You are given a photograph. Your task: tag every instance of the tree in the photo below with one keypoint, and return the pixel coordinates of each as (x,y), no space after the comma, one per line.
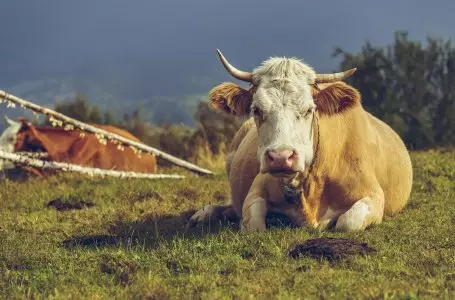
(80,110)
(409,86)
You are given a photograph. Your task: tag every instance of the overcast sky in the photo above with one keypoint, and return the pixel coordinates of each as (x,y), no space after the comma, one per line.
(147,46)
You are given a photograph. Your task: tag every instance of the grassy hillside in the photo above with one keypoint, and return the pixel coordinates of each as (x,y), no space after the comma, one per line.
(135,245)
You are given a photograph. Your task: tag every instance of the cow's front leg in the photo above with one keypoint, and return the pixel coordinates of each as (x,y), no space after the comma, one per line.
(363,213)
(255,206)
(253,214)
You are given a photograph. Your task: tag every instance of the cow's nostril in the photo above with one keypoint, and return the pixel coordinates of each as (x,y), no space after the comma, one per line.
(270,155)
(292,156)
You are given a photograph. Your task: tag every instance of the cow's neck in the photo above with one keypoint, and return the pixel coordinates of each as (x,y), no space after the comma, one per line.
(54,140)
(329,143)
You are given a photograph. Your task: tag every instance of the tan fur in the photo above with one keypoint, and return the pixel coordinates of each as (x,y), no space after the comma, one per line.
(354,168)
(231,98)
(238,137)
(335,98)
(359,159)
(358,156)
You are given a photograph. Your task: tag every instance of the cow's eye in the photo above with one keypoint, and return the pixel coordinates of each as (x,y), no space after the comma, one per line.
(256,112)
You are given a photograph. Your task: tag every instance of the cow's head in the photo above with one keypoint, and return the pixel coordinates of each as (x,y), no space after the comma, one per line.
(8,141)
(283,100)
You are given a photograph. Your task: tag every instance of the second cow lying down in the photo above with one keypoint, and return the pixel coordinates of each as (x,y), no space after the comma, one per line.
(309,151)
(72,147)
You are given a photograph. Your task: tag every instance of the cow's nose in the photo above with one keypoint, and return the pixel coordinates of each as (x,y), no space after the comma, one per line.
(282,158)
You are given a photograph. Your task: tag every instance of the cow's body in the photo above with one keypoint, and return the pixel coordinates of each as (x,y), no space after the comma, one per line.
(82,149)
(350,167)
(344,171)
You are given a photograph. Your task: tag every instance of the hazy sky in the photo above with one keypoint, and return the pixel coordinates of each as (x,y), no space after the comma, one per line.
(168,47)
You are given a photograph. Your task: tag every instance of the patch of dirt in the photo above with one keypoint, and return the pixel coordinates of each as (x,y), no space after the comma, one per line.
(142,196)
(90,240)
(331,248)
(124,271)
(187,193)
(62,204)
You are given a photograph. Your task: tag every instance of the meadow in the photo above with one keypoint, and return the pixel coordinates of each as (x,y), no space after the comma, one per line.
(130,241)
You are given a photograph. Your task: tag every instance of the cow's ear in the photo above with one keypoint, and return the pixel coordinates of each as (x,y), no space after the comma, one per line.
(231,98)
(336,98)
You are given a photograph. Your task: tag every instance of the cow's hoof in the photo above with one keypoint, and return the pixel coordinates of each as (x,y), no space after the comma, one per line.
(205,215)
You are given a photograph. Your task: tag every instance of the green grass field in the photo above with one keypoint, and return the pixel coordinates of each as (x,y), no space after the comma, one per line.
(139,248)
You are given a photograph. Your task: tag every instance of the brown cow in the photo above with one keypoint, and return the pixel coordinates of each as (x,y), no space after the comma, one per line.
(310,151)
(72,147)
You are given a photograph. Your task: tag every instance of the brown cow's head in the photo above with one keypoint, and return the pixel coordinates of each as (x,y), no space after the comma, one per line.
(283,100)
(19,136)
(8,140)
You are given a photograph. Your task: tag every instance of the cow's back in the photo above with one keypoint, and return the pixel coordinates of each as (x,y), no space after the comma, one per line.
(88,151)
(116,130)
(110,157)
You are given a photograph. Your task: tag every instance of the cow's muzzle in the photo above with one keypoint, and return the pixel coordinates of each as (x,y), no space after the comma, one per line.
(280,160)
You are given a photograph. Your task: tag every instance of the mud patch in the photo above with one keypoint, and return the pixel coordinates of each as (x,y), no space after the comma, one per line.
(123,270)
(70,203)
(187,193)
(90,240)
(331,248)
(142,196)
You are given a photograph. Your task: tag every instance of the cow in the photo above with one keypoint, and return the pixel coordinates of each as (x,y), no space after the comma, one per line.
(71,146)
(309,150)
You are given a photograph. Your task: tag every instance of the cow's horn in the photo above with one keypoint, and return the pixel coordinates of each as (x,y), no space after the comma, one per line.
(241,75)
(327,78)
(9,121)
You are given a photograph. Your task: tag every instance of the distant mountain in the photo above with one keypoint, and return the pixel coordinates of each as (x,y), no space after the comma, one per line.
(155,109)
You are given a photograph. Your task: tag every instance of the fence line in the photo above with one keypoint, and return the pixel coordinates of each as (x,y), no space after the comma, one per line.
(38,155)
(53,165)
(58,119)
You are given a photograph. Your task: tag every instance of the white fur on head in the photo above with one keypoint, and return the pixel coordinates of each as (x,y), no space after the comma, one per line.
(283,106)
(281,67)
(8,140)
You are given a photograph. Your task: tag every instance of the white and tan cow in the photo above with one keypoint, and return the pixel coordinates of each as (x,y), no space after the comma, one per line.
(309,151)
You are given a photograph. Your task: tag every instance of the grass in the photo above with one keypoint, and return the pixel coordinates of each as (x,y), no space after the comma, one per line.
(139,247)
